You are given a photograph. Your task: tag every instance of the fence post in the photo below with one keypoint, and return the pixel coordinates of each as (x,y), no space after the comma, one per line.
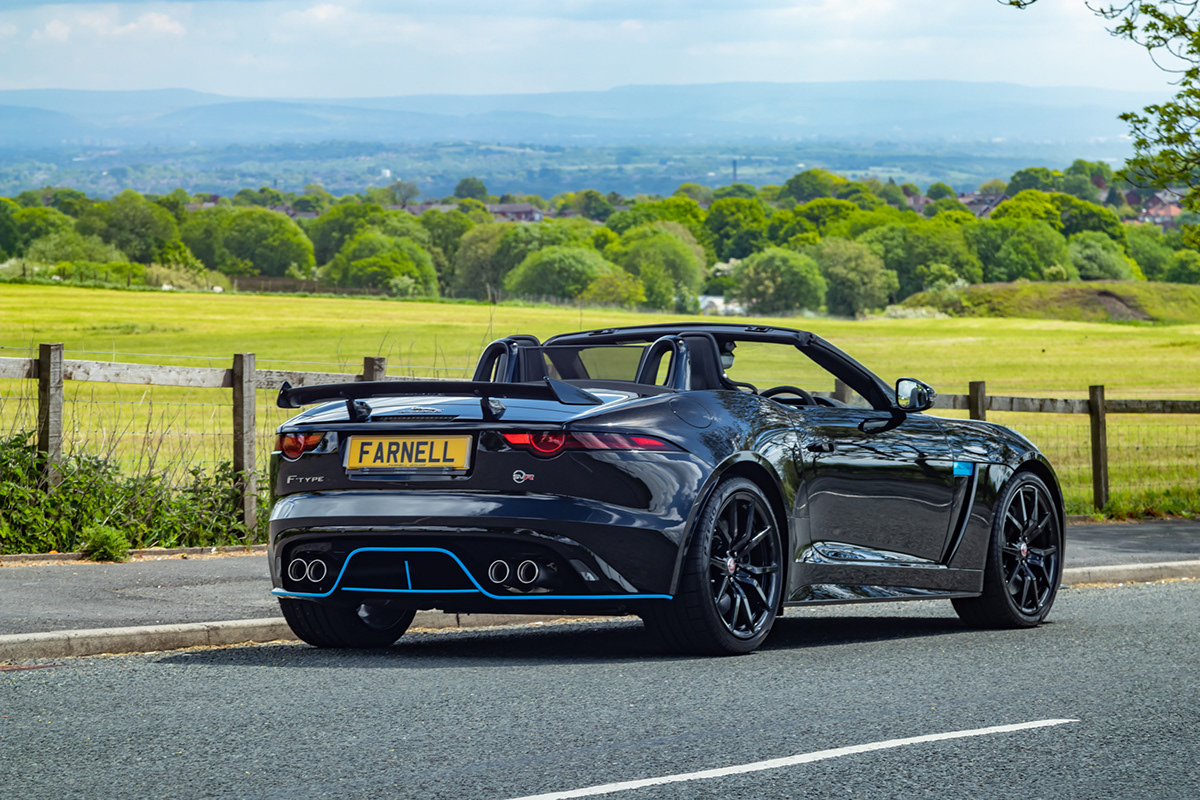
(1099,447)
(374,368)
(50,409)
(245,467)
(841,391)
(977,399)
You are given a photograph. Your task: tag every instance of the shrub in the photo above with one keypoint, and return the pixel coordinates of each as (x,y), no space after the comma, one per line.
(104,543)
(192,509)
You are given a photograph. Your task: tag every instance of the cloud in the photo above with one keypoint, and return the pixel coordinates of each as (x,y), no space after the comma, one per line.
(338,48)
(55,30)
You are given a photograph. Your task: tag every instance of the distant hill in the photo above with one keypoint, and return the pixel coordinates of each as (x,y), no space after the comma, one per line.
(900,111)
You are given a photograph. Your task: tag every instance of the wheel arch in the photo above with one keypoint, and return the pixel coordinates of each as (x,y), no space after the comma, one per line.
(1040,466)
(761,473)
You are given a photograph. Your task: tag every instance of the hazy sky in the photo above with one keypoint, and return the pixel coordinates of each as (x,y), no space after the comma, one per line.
(349,48)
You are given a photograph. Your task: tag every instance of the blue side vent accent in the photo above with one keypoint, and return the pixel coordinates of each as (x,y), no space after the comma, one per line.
(964,469)
(337,584)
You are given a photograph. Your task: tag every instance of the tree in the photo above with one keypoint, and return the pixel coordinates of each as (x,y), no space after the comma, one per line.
(1080,186)
(700,195)
(738,227)
(67,245)
(375,260)
(1029,250)
(135,225)
(562,271)
(473,188)
(939,190)
(945,204)
(1037,178)
(893,195)
(993,187)
(404,192)
(778,280)
(683,210)
(809,185)
(268,240)
(1030,204)
(1148,247)
(475,270)
(824,211)
(857,280)
(743,190)
(616,288)
(590,204)
(446,231)
(1185,267)
(651,244)
(34,223)
(1165,141)
(330,231)
(9,235)
(1096,257)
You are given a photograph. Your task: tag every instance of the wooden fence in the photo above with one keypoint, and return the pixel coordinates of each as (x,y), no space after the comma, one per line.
(50,370)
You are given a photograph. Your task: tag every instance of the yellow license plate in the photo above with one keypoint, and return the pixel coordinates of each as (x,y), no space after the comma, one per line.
(409,453)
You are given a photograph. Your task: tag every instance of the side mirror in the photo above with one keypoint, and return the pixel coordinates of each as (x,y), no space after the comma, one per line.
(913,395)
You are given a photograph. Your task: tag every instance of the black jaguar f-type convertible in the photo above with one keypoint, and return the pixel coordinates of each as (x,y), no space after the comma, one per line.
(651,470)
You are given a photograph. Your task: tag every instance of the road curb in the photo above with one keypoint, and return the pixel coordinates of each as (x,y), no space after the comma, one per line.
(1132,573)
(150,638)
(35,558)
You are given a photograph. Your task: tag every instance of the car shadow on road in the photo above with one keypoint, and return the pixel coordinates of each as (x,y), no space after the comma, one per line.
(591,642)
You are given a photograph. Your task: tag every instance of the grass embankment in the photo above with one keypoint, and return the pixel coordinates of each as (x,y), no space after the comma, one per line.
(1090,301)
(1025,357)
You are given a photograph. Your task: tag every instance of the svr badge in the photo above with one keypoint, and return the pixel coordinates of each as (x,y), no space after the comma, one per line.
(521,476)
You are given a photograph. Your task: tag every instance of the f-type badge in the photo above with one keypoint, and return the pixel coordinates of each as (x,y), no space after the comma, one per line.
(521,476)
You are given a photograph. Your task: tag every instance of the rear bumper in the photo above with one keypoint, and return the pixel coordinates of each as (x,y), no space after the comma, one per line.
(436,550)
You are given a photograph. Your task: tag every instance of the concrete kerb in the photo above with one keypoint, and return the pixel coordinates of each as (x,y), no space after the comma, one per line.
(152,638)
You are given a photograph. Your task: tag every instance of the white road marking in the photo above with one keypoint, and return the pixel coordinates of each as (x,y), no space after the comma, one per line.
(802,758)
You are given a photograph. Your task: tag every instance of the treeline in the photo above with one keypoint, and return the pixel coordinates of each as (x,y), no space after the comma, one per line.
(819,241)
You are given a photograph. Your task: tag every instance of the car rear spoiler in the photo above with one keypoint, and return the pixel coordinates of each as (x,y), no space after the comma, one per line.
(487,392)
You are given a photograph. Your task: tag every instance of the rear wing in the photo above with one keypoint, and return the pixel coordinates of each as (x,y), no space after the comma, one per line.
(487,392)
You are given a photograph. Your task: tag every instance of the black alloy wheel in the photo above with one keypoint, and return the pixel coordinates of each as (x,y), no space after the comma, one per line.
(743,564)
(1024,564)
(732,578)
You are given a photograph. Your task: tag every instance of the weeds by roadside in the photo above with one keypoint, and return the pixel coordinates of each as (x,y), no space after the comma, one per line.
(151,510)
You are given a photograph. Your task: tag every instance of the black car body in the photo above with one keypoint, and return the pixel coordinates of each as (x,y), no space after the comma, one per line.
(626,470)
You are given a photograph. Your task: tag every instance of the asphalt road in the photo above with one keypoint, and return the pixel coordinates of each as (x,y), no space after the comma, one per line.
(85,595)
(517,712)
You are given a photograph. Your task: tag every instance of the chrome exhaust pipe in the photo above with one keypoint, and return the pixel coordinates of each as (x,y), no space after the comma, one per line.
(527,572)
(298,569)
(316,571)
(498,571)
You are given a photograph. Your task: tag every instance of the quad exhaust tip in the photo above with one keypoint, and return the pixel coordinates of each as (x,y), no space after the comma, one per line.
(498,571)
(528,571)
(313,571)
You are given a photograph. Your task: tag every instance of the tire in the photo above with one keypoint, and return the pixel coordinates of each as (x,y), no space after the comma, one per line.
(731,578)
(346,626)
(1024,560)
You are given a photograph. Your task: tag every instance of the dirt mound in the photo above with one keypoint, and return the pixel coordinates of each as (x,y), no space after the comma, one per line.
(1121,309)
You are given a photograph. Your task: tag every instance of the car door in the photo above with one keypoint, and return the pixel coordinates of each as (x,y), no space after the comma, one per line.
(878,480)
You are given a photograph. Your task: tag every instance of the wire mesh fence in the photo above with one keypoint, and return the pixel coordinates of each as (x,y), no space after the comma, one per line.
(172,430)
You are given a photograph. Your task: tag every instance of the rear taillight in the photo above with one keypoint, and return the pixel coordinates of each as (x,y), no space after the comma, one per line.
(547,444)
(294,445)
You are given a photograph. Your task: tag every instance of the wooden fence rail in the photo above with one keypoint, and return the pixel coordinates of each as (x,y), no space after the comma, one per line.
(50,370)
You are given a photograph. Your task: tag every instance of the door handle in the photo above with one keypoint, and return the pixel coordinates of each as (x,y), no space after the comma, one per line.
(822,447)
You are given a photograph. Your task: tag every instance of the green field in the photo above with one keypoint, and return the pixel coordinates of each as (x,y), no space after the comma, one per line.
(1040,358)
